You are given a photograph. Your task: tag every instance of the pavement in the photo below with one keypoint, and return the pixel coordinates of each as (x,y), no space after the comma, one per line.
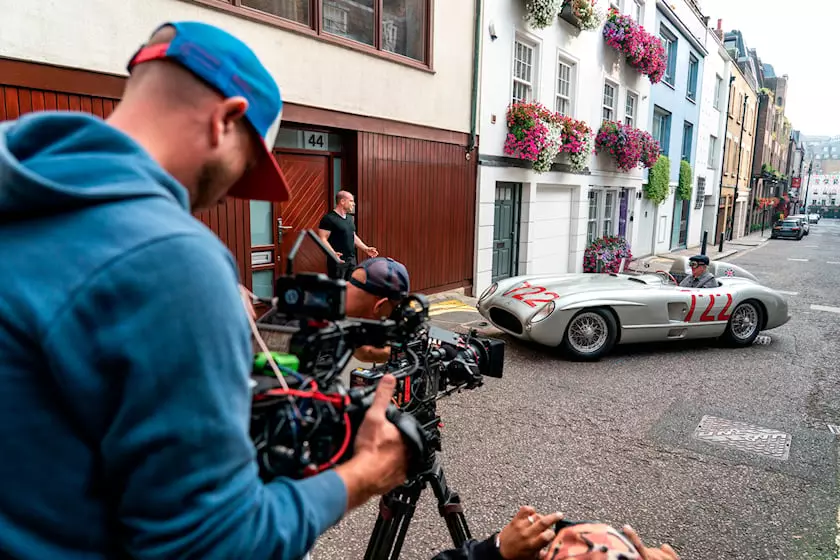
(663,261)
(616,440)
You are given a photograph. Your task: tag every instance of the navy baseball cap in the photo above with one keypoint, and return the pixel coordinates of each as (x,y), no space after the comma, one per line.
(230,67)
(384,277)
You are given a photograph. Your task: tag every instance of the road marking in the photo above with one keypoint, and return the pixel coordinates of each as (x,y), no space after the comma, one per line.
(449,306)
(811,246)
(786,293)
(832,262)
(828,308)
(798,260)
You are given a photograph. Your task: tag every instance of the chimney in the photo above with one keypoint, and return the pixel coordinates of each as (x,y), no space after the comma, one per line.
(719,30)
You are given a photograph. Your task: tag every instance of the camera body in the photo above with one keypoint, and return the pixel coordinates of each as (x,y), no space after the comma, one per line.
(304,418)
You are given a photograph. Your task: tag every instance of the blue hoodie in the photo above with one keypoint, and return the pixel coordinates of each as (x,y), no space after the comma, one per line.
(124,363)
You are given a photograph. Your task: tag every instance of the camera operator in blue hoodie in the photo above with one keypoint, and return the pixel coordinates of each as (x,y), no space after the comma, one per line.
(125,350)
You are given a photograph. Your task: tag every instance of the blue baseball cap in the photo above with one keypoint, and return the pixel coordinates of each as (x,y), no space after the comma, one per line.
(229,66)
(384,277)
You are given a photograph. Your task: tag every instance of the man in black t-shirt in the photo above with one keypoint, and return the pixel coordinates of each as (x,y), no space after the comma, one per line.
(338,231)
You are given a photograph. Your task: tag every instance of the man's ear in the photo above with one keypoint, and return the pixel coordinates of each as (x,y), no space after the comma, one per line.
(379,308)
(225,117)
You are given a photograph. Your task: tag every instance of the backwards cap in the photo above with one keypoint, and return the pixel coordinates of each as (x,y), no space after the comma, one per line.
(384,277)
(227,65)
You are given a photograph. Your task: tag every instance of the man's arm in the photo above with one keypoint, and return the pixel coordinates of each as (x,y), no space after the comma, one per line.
(163,333)
(373,354)
(324,234)
(370,251)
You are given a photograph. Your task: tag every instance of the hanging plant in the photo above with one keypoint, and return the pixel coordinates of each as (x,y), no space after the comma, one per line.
(538,135)
(541,13)
(629,146)
(684,184)
(604,254)
(643,51)
(656,189)
(586,14)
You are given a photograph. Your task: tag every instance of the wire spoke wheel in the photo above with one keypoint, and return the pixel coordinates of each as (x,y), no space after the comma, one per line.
(588,333)
(744,321)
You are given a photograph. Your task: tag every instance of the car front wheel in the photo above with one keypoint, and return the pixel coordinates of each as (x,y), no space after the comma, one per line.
(744,324)
(590,334)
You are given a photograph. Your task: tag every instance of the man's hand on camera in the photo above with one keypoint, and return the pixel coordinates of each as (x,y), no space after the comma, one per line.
(527,534)
(379,460)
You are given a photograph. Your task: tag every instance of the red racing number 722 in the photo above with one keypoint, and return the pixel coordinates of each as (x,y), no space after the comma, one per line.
(526,289)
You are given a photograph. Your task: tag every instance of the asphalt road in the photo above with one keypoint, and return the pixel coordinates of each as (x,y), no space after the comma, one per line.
(612,441)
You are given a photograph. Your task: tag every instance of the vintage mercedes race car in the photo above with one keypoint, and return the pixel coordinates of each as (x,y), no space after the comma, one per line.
(587,314)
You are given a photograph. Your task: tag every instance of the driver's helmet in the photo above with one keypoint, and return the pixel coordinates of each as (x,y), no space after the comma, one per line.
(586,540)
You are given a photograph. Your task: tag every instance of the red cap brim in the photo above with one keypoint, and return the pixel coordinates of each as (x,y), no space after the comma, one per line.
(263,182)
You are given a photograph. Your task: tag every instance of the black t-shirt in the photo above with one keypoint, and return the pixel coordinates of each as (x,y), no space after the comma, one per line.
(342,234)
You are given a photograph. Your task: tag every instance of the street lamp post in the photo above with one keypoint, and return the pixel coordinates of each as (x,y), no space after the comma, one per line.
(808,186)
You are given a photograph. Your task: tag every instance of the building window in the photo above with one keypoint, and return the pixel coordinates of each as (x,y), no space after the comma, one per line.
(669,41)
(608,102)
(718,92)
(688,133)
(712,152)
(662,128)
(693,68)
(403,24)
(565,84)
(630,109)
(608,213)
(701,193)
(592,224)
(523,71)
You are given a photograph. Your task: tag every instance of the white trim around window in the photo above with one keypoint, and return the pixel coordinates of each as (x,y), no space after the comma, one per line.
(630,119)
(602,212)
(565,83)
(609,100)
(525,68)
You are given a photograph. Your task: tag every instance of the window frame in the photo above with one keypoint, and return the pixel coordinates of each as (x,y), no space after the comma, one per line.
(712,160)
(614,106)
(665,34)
(572,63)
(687,126)
(718,91)
(635,96)
(601,219)
(535,45)
(664,146)
(315,29)
(693,78)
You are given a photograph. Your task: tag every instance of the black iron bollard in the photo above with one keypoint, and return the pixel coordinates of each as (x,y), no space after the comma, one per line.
(720,247)
(703,243)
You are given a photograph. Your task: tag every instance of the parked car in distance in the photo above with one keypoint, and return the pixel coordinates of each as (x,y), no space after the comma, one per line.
(788,229)
(814,218)
(803,219)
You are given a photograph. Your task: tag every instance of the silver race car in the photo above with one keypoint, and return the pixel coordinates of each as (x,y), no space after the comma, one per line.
(587,314)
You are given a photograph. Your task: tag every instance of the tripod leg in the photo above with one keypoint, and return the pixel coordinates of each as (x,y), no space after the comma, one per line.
(395,512)
(450,506)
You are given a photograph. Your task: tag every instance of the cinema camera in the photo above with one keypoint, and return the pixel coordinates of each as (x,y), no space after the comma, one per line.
(304,418)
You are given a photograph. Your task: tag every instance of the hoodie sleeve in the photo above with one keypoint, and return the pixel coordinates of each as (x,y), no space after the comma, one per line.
(154,354)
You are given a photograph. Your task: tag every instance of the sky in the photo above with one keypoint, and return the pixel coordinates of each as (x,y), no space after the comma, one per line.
(796,38)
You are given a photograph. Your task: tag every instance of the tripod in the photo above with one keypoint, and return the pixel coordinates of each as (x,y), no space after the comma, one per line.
(397,507)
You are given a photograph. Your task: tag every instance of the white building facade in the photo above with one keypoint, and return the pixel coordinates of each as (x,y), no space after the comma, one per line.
(712,131)
(541,223)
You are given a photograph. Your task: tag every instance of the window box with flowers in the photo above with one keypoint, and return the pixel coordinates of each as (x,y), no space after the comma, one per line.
(538,135)
(630,147)
(604,254)
(583,14)
(541,13)
(643,51)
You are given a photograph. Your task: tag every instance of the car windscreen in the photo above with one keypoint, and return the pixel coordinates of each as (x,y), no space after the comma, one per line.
(790,223)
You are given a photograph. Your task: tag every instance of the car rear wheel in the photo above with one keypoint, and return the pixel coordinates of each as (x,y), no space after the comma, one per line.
(590,334)
(744,324)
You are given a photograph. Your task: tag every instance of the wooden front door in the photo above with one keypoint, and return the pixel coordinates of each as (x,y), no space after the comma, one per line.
(505,230)
(275,226)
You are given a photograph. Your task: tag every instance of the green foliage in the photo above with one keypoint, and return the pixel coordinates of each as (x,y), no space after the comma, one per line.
(765,91)
(656,189)
(684,185)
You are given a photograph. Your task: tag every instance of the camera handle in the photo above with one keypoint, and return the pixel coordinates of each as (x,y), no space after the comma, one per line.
(396,508)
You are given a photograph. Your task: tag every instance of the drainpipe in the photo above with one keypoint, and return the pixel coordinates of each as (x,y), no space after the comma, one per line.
(476,62)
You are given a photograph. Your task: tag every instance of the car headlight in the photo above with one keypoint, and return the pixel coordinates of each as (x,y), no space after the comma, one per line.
(489,291)
(543,313)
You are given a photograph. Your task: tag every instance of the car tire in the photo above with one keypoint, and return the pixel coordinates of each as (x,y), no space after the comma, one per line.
(739,335)
(587,324)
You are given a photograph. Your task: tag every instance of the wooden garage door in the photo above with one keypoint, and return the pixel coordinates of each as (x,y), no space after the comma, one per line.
(17,101)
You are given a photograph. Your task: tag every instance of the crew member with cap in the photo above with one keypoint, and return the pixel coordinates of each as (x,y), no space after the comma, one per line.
(700,276)
(125,357)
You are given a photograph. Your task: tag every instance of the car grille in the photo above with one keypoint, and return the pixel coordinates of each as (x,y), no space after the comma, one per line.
(506,320)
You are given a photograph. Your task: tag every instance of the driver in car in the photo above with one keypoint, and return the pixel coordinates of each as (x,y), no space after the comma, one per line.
(700,276)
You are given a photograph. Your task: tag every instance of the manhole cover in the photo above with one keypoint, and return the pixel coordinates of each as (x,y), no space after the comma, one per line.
(744,437)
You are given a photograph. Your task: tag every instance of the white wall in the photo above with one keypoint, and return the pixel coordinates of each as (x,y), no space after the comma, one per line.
(712,122)
(101,35)
(555,205)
